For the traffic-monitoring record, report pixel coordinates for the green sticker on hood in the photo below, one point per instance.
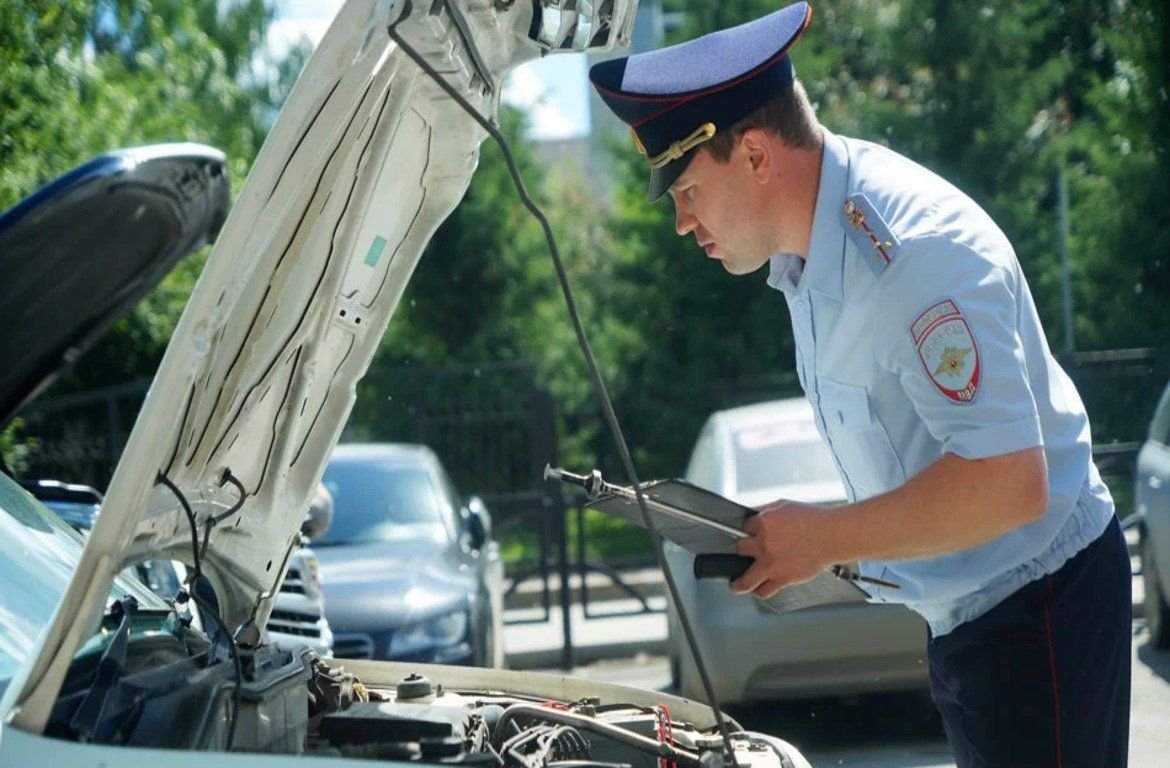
(375, 252)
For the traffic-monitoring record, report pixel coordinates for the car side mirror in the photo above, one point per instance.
(479, 522)
(320, 514)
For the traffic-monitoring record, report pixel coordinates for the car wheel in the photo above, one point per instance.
(1157, 611)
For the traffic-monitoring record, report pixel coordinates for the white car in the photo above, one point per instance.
(369, 155)
(756, 454)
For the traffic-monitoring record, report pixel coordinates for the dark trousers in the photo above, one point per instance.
(1042, 680)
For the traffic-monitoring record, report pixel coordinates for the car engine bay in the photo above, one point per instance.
(159, 690)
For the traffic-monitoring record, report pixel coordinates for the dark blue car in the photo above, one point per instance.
(410, 569)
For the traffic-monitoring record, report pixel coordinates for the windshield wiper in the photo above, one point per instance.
(109, 672)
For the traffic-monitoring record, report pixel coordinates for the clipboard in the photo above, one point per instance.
(708, 525)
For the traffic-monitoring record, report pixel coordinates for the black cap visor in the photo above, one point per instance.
(662, 178)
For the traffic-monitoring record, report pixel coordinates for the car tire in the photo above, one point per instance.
(1157, 611)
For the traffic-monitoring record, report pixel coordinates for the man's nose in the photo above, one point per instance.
(684, 221)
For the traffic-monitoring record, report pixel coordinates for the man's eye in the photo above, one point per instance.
(689, 192)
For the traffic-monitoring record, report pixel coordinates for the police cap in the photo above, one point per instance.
(677, 98)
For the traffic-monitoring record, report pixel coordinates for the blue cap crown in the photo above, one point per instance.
(677, 98)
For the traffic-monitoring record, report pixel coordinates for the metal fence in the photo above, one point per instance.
(495, 427)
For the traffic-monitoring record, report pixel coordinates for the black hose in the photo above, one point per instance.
(196, 572)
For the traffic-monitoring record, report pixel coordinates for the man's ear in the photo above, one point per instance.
(757, 152)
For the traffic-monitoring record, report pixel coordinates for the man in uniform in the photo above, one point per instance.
(964, 447)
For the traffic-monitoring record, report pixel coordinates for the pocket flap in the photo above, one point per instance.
(844, 405)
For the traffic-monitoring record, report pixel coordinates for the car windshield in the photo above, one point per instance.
(38, 554)
(781, 453)
(375, 502)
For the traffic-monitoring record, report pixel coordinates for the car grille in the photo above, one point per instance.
(293, 581)
(353, 646)
(292, 623)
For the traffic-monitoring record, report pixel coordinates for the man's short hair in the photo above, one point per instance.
(788, 115)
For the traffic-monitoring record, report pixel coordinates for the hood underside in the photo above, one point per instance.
(83, 249)
(367, 158)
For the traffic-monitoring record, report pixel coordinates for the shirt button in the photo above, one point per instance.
(800, 303)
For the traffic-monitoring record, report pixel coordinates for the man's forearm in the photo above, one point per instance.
(953, 504)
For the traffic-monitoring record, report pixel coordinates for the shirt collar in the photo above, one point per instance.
(823, 270)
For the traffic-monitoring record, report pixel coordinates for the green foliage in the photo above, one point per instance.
(998, 97)
(81, 78)
(606, 538)
(15, 447)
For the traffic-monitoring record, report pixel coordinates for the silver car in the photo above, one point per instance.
(1152, 502)
(753, 455)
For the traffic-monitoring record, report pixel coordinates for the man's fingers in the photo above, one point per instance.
(751, 578)
(748, 547)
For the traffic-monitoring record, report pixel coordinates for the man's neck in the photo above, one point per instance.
(798, 184)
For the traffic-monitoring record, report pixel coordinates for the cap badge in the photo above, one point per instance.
(677, 149)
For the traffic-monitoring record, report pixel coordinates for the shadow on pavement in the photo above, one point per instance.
(1156, 659)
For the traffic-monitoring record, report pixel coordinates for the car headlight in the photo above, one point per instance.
(582, 25)
(447, 629)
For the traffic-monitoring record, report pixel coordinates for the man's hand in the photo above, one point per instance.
(786, 542)
(952, 505)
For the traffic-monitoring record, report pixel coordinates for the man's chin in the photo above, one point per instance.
(738, 267)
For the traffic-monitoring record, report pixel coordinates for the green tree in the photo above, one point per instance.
(997, 97)
(81, 78)
(78, 79)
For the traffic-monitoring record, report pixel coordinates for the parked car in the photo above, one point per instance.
(369, 155)
(411, 570)
(298, 617)
(756, 454)
(1152, 503)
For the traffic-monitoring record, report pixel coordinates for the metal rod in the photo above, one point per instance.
(594, 486)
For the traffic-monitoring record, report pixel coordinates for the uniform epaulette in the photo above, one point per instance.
(869, 232)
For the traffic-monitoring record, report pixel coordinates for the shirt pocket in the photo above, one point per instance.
(859, 441)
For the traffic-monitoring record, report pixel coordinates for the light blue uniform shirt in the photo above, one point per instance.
(916, 335)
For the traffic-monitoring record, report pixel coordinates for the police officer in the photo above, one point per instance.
(963, 446)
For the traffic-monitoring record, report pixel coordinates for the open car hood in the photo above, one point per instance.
(82, 250)
(367, 158)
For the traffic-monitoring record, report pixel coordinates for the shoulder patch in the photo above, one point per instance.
(948, 351)
(869, 232)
